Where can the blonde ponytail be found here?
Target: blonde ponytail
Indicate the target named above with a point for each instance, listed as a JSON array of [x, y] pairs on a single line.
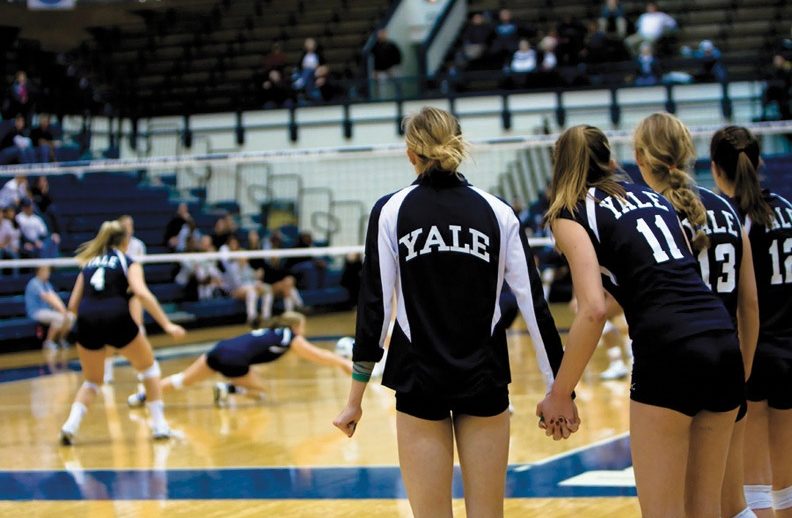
[[664, 144], [111, 234], [290, 319], [581, 159], [435, 136]]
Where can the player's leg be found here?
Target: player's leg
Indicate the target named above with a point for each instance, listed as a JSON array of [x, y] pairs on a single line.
[[710, 435], [659, 439], [483, 445], [250, 385], [196, 372], [141, 356], [733, 494], [758, 473], [780, 423], [92, 363], [426, 457]]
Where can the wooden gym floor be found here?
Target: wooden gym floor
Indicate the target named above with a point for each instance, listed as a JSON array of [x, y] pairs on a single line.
[[283, 457]]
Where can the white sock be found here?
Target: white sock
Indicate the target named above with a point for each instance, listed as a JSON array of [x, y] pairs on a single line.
[[250, 304], [157, 412], [745, 513], [78, 411], [295, 296], [176, 380], [266, 305]]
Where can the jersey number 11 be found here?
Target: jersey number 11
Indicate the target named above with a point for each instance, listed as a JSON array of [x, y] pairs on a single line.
[[660, 255]]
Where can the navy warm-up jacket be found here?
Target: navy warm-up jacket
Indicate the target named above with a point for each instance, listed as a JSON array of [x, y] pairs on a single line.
[[444, 248]]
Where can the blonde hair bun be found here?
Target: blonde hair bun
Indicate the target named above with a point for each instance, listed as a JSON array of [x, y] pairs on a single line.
[[435, 136]]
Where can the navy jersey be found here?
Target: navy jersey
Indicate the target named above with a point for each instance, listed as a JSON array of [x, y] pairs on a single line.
[[647, 266], [719, 264], [443, 249], [772, 256], [259, 346], [105, 284]]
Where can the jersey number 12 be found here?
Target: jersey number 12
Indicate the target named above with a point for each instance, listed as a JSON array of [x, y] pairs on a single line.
[[776, 249], [98, 279], [660, 255]]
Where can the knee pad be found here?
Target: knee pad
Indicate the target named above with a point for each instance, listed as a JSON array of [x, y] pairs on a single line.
[[151, 372], [608, 328], [93, 387], [177, 381], [745, 513], [758, 496], [782, 499]]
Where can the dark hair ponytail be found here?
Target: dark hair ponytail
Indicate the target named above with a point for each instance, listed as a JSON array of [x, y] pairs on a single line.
[[736, 152]]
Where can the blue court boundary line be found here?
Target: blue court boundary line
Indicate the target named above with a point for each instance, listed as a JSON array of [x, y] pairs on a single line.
[[162, 354], [537, 480]]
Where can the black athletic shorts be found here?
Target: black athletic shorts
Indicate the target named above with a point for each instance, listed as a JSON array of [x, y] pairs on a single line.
[[703, 372], [95, 330], [220, 361], [771, 381], [486, 404]]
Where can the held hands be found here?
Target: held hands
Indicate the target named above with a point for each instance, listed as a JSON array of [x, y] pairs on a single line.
[[558, 416], [348, 419]]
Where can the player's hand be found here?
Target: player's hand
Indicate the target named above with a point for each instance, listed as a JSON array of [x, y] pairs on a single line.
[[348, 419], [175, 330], [558, 416]]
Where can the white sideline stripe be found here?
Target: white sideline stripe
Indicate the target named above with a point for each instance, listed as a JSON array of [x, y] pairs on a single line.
[[602, 478], [217, 159], [222, 256], [573, 451]]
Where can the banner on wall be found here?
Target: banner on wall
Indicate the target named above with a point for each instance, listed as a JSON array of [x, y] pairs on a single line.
[[51, 4]]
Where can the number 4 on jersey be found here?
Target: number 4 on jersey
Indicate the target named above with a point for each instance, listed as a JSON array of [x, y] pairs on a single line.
[[98, 279], [660, 255]]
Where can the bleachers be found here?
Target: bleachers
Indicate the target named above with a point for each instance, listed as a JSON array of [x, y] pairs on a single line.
[[84, 203], [744, 30]]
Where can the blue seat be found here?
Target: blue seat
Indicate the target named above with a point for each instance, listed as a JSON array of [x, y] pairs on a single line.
[[12, 306], [17, 328], [170, 292], [325, 296]]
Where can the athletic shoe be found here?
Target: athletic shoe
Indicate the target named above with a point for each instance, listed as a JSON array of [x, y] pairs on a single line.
[[220, 392], [161, 432], [49, 345], [616, 370], [66, 438], [136, 400]]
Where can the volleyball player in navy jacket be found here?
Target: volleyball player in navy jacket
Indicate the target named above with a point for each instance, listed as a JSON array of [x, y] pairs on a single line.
[[723, 256], [100, 299], [442, 249], [687, 380], [768, 220]]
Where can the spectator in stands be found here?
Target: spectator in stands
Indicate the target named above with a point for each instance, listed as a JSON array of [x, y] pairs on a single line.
[[387, 58], [524, 59], [648, 70], [325, 87], [310, 60], [9, 238], [16, 145], [283, 284], [779, 83], [612, 19], [239, 281], [709, 58], [305, 240], [475, 39], [549, 45], [275, 92], [40, 194], [202, 275], [275, 60], [507, 36], [174, 227], [13, 191], [36, 240], [20, 96], [571, 40], [650, 27], [43, 305], [136, 248], [44, 139]]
